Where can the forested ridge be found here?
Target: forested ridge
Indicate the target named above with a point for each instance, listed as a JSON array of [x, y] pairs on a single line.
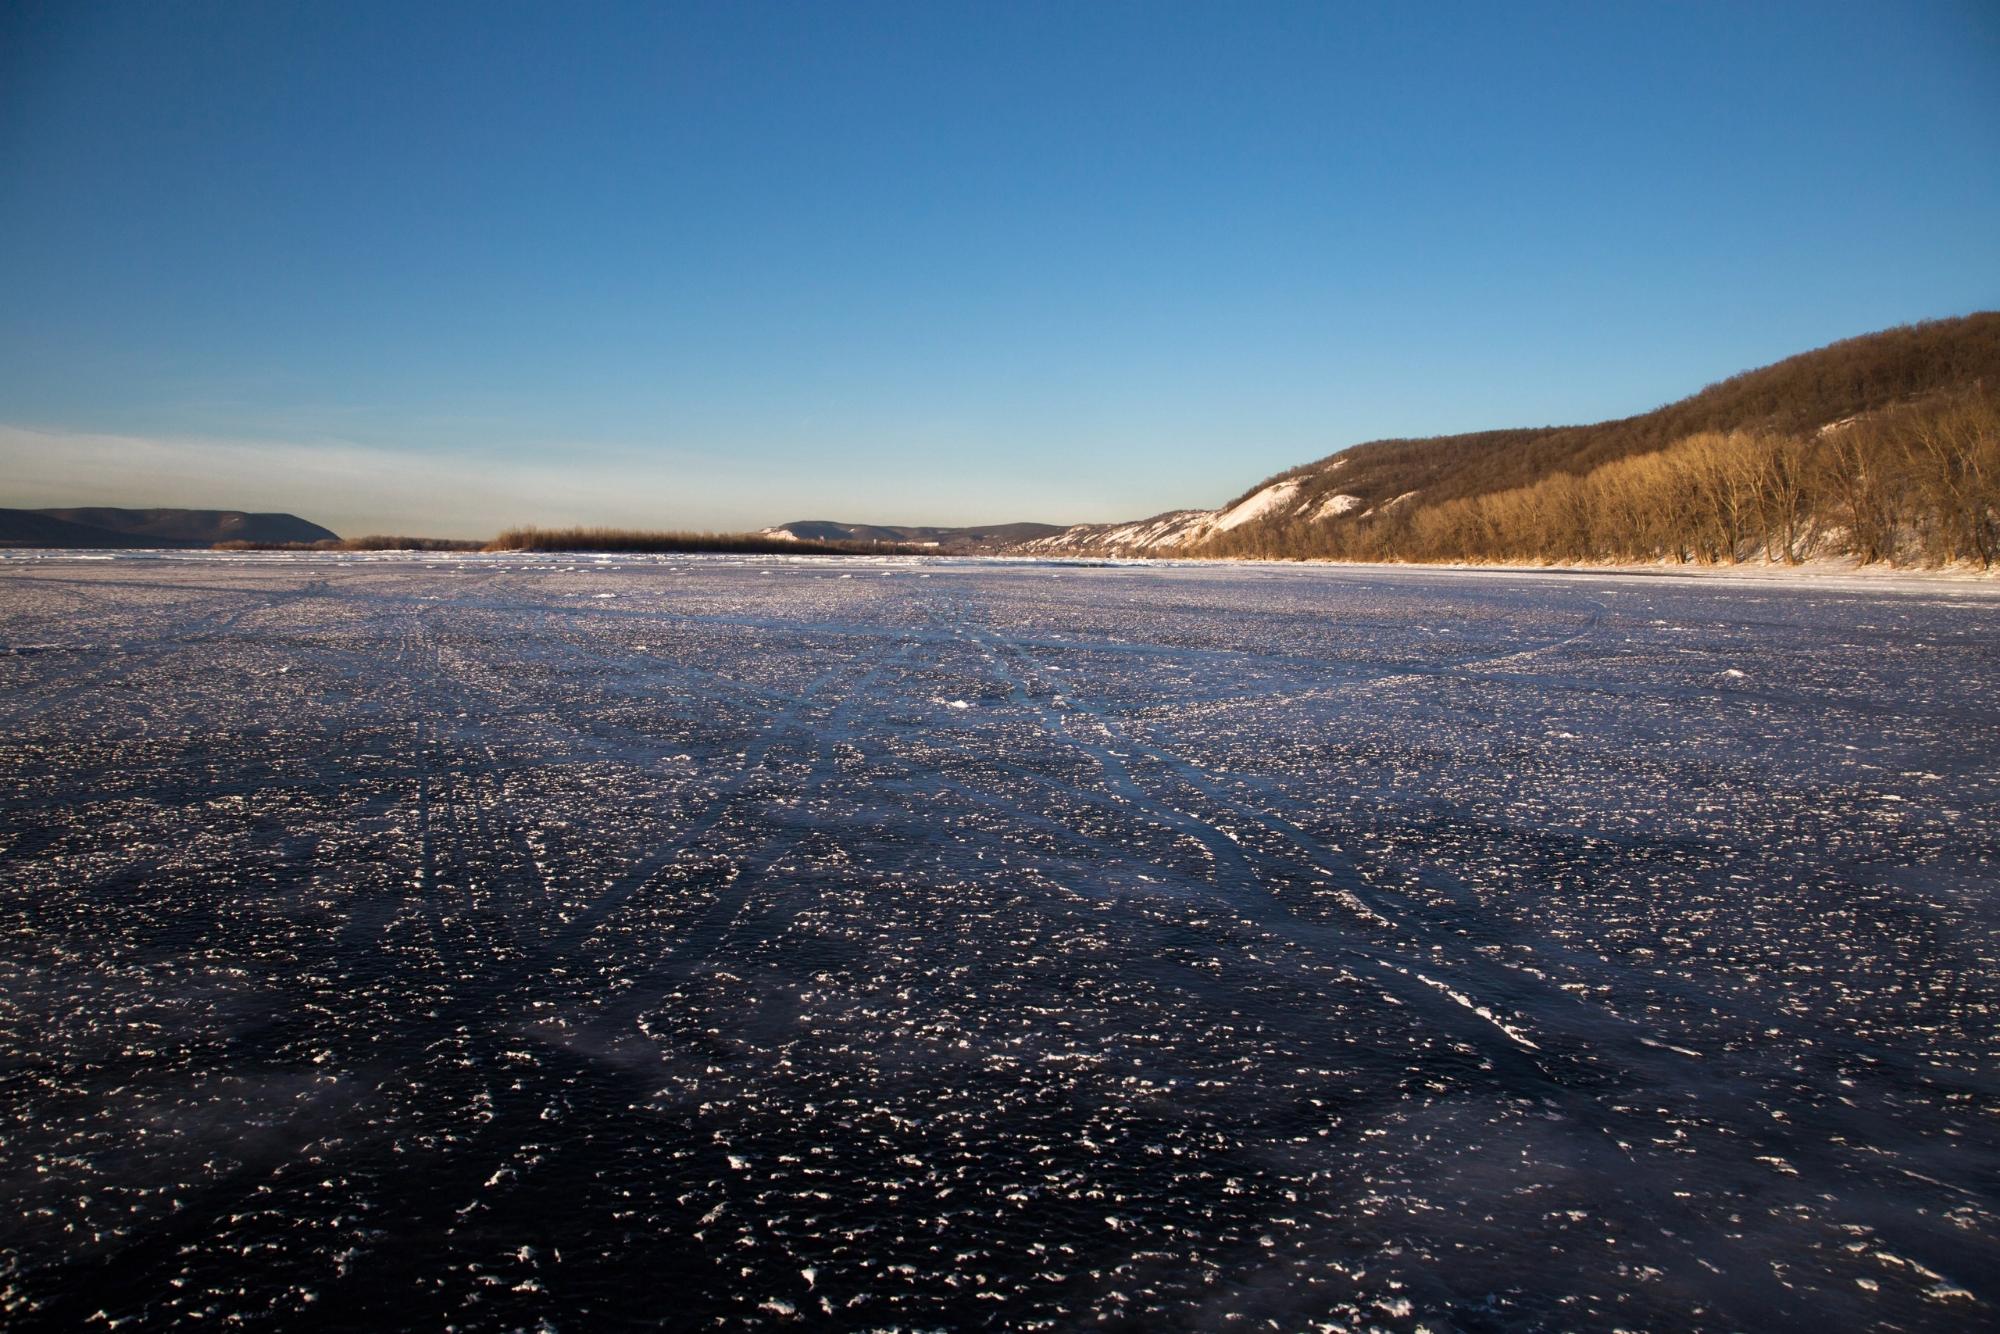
[[1884, 447]]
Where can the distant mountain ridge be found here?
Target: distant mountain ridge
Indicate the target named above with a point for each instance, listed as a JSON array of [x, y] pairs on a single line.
[[984, 539], [108, 527]]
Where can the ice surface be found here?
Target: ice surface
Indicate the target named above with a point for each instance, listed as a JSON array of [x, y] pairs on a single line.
[[449, 942]]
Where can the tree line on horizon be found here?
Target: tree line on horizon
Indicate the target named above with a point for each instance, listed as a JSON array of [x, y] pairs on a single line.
[[593, 539]]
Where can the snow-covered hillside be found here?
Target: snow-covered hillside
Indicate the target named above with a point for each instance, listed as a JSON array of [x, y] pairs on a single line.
[[1301, 497]]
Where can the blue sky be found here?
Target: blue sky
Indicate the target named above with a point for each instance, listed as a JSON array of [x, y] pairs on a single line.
[[446, 268]]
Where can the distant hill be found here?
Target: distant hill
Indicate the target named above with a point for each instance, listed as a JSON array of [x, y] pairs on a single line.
[[982, 540], [106, 527], [1422, 499]]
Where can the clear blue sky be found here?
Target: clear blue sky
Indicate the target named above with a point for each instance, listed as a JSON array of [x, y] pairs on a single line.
[[451, 267]]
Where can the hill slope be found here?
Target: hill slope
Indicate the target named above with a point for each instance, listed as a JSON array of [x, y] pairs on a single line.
[[1370, 500], [108, 527]]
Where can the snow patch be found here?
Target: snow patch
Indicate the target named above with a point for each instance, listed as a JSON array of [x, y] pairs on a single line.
[[1335, 506], [1278, 495]]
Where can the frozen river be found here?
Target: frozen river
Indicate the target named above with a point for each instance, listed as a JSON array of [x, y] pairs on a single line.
[[539, 943]]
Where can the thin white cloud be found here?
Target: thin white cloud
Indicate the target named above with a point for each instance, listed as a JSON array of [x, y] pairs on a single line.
[[350, 488]]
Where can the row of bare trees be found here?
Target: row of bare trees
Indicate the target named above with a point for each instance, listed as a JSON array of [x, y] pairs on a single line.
[[591, 539], [1916, 484], [648, 540]]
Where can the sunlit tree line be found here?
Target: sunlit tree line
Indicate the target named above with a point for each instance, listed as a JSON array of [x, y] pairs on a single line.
[[1914, 484]]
